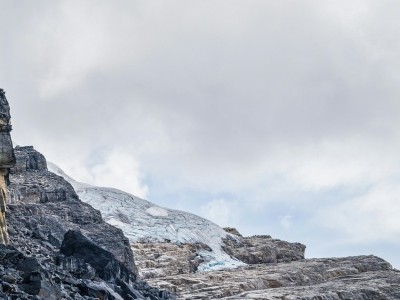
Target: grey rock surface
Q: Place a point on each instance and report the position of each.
(262, 249)
(27, 158)
(361, 277)
(155, 260)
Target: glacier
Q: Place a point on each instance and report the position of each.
(144, 222)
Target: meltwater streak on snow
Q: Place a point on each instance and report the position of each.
(143, 221)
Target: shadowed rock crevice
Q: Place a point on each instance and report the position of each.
(105, 264)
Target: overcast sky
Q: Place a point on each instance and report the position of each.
(275, 117)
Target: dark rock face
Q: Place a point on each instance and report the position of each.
(35, 186)
(7, 158)
(263, 249)
(104, 262)
(27, 158)
(24, 276)
(47, 206)
(4, 107)
(52, 276)
(60, 247)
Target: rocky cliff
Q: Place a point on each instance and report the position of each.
(60, 247)
(7, 160)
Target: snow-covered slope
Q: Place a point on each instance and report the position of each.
(143, 221)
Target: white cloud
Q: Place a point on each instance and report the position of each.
(371, 217)
(119, 170)
(220, 211)
(342, 162)
(286, 221)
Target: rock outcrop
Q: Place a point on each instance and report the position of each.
(262, 249)
(156, 260)
(77, 255)
(232, 230)
(47, 206)
(353, 278)
(7, 160)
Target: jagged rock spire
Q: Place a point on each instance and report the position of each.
(4, 107)
(7, 160)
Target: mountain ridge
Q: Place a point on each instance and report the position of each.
(271, 269)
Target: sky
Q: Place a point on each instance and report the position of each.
(274, 117)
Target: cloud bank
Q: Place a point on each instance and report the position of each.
(279, 117)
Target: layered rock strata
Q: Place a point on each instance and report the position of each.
(353, 278)
(7, 160)
(155, 260)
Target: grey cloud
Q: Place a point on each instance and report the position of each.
(209, 95)
(229, 88)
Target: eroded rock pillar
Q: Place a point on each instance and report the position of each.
(7, 160)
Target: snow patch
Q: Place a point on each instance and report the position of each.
(156, 211)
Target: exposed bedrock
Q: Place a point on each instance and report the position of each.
(155, 260)
(165, 259)
(27, 158)
(46, 206)
(77, 255)
(361, 277)
(262, 249)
